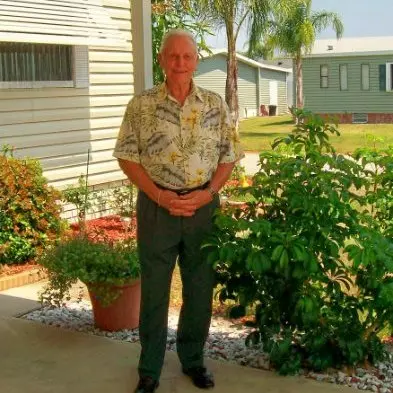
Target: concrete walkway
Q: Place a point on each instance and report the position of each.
(35, 358)
(250, 162)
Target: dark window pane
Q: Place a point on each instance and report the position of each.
(324, 76)
(391, 76)
(21, 62)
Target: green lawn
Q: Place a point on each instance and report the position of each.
(257, 134)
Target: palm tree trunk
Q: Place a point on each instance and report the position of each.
(231, 96)
(299, 82)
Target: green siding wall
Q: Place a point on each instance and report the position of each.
(212, 74)
(247, 90)
(265, 77)
(332, 99)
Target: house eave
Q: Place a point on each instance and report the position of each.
(352, 54)
(69, 22)
(248, 61)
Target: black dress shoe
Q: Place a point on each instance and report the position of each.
(200, 377)
(146, 385)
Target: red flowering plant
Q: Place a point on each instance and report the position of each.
(234, 192)
(29, 210)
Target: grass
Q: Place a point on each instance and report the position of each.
(257, 134)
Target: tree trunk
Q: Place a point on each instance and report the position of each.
(299, 82)
(231, 96)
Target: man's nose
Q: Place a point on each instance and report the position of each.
(179, 61)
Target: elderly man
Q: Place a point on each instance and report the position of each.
(177, 145)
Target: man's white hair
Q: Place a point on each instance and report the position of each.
(177, 33)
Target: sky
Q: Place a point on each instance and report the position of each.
(361, 18)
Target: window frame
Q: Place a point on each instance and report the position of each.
(389, 77)
(324, 77)
(35, 84)
(79, 74)
(361, 76)
(340, 76)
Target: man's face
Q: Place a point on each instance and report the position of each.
(179, 59)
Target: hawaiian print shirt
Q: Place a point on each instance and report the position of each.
(178, 146)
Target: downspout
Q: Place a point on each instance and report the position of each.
(142, 44)
(259, 92)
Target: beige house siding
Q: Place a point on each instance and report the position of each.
(60, 125)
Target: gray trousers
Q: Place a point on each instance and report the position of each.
(162, 240)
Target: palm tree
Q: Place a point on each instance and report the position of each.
(294, 34)
(175, 14)
(233, 15)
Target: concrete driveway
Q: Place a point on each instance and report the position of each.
(35, 358)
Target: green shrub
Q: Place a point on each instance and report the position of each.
(310, 256)
(379, 169)
(79, 196)
(29, 213)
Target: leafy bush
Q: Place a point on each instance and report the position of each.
(123, 200)
(310, 256)
(29, 213)
(120, 199)
(378, 164)
(79, 196)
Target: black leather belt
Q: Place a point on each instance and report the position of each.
(185, 190)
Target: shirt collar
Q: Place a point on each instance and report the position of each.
(195, 91)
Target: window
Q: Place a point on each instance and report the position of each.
(389, 77)
(359, 118)
(27, 65)
(386, 77)
(365, 76)
(324, 75)
(343, 76)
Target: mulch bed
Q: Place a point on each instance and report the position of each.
(9, 270)
(109, 228)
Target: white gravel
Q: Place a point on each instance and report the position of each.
(226, 342)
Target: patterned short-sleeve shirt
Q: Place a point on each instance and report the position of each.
(178, 146)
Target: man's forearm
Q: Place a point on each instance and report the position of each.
(221, 175)
(138, 176)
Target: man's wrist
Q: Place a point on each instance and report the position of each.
(159, 196)
(211, 191)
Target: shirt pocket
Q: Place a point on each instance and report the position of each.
(155, 138)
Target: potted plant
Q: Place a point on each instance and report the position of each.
(111, 272)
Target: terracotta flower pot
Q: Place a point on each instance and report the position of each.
(121, 313)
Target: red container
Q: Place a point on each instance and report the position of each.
(123, 312)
